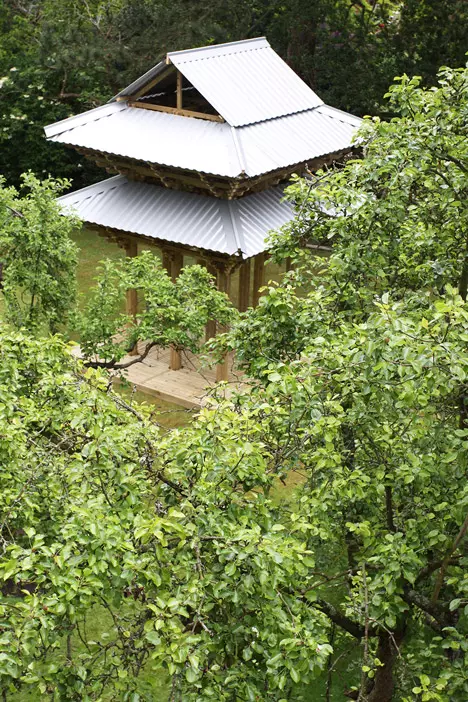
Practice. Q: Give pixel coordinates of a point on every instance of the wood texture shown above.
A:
(176, 111)
(179, 90)
(224, 280)
(177, 262)
(259, 277)
(187, 388)
(244, 286)
(131, 302)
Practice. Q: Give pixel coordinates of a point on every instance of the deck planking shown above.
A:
(188, 387)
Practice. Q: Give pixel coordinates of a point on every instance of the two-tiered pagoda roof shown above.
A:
(200, 143)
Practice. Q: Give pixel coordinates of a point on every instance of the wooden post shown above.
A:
(288, 264)
(131, 302)
(166, 261)
(222, 369)
(259, 276)
(244, 286)
(210, 329)
(179, 90)
(177, 263)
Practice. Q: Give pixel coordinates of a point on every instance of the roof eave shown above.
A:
(140, 82)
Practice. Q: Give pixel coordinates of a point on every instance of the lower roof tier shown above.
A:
(200, 222)
(206, 147)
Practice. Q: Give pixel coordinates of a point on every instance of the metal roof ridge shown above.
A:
(105, 185)
(347, 117)
(82, 118)
(272, 119)
(237, 235)
(217, 46)
(239, 151)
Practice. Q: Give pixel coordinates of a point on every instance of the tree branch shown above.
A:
(435, 611)
(115, 365)
(445, 563)
(341, 620)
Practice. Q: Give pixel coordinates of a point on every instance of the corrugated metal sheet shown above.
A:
(70, 123)
(142, 80)
(155, 137)
(286, 141)
(209, 147)
(259, 214)
(246, 81)
(222, 226)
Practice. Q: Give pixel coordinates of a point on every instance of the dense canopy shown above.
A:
(305, 536)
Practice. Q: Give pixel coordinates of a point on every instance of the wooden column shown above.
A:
(166, 261)
(222, 369)
(177, 262)
(259, 277)
(173, 263)
(179, 90)
(210, 329)
(244, 286)
(131, 302)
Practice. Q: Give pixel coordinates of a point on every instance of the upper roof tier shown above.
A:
(245, 81)
(250, 115)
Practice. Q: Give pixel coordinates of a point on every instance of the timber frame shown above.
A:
(175, 111)
(136, 99)
(203, 183)
(220, 266)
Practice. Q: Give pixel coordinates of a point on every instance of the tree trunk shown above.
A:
(384, 681)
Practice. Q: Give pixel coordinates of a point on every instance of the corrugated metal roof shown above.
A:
(65, 125)
(293, 139)
(246, 81)
(201, 221)
(209, 147)
(154, 137)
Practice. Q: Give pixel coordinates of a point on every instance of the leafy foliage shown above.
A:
(364, 378)
(162, 532)
(37, 255)
(170, 313)
(360, 389)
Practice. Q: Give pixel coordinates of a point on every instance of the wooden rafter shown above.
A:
(149, 85)
(176, 111)
(121, 238)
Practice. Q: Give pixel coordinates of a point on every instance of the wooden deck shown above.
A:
(188, 387)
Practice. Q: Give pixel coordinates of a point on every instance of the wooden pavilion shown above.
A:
(202, 144)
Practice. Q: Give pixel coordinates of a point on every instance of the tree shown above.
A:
(170, 313)
(367, 377)
(181, 538)
(159, 537)
(38, 257)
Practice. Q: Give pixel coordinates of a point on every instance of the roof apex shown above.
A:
(212, 50)
(245, 81)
